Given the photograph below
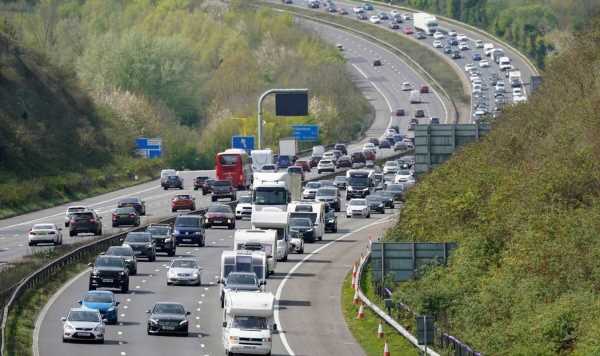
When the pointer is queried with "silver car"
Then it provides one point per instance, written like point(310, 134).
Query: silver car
point(329, 195)
point(310, 190)
point(83, 324)
point(184, 271)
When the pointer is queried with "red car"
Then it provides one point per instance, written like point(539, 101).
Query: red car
point(304, 164)
point(424, 89)
point(408, 30)
point(370, 155)
point(220, 215)
point(183, 202)
point(400, 112)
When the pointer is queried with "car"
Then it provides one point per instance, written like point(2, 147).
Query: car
point(376, 203)
point(438, 35)
point(85, 222)
point(456, 55)
point(396, 190)
point(330, 195)
point(341, 147)
point(406, 86)
point(83, 324)
point(220, 215)
point(463, 46)
point(109, 272)
point(45, 233)
point(71, 210)
point(330, 219)
point(390, 167)
point(357, 207)
point(302, 227)
point(168, 318)
point(199, 182)
point(448, 50)
point(402, 175)
point(394, 25)
point(419, 113)
point(358, 157)
point(189, 229)
point(400, 112)
point(413, 124)
point(367, 7)
point(400, 146)
point(469, 67)
point(385, 144)
point(374, 19)
point(478, 44)
point(435, 120)
point(172, 182)
point(310, 190)
point(329, 155)
point(162, 235)
point(362, 16)
point(420, 35)
point(185, 270)
point(484, 63)
point(424, 89)
point(207, 186)
point(344, 162)
point(304, 164)
point(358, 9)
point(142, 244)
point(452, 42)
point(373, 141)
point(461, 37)
point(239, 281)
point(408, 30)
point(383, 15)
point(395, 13)
point(104, 302)
point(183, 202)
point(125, 252)
point(243, 207)
point(343, 11)
point(476, 56)
point(452, 33)
point(340, 182)
point(387, 198)
point(339, 46)
point(377, 63)
point(223, 189)
point(125, 216)
point(332, 9)
point(325, 165)
point(437, 44)
point(136, 203)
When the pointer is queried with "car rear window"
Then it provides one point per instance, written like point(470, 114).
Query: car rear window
point(126, 210)
point(83, 216)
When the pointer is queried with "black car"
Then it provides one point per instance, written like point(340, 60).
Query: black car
point(125, 216)
point(341, 147)
point(162, 235)
point(456, 55)
point(374, 141)
point(128, 256)
point(420, 113)
point(222, 189)
point(304, 227)
point(448, 50)
point(384, 144)
point(199, 182)
point(376, 204)
point(344, 162)
point(136, 203)
point(358, 157)
point(85, 221)
point(239, 281)
point(142, 244)
point(330, 219)
point(377, 63)
point(168, 318)
point(397, 190)
point(189, 229)
point(387, 197)
point(109, 272)
point(173, 182)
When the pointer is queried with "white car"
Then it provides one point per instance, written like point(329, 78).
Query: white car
point(438, 35)
point(184, 271)
point(358, 207)
point(390, 167)
point(517, 92)
point(476, 89)
point(45, 233)
point(406, 17)
point(83, 324)
point(70, 211)
point(325, 165)
point(437, 44)
point(394, 13)
point(406, 86)
point(452, 33)
point(461, 37)
point(484, 63)
point(402, 176)
point(243, 207)
point(329, 156)
point(358, 10)
point(369, 147)
point(375, 19)
point(310, 190)
point(478, 44)
point(463, 46)
point(469, 67)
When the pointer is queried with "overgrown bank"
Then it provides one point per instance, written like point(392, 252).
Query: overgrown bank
point(524, 207)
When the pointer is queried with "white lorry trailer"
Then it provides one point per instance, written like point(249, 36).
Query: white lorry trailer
point(261, 158)
point(258, 240)
point(514, 77)
point(275, 190)
point(248, 323)
point(425, 22)
point(274, 220)
point(288, 147)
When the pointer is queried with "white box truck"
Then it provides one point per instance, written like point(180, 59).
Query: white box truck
point(288, 147)
point(258, 240)
point(244, 261)
point(275, 220)
point(261, 158)
point(275, 190)
point(425, 22)
point(248, 323)
point(415, 97)
point(514, 77)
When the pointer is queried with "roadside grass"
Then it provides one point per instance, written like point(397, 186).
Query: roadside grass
point(365, 330)
point(22, 317)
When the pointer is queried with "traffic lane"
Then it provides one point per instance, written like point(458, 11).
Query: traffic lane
point(309, 303)
point(147, 288)
point(13, 239)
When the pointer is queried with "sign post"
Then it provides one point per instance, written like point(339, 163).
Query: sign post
point(149, 147)
point(288, 102)
point(243, 142)
point(425, 330)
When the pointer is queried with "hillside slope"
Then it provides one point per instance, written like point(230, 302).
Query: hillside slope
point(524, 207)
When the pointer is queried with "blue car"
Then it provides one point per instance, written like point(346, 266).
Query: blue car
point(476, 56)
point(103, 301)
point(367, 7)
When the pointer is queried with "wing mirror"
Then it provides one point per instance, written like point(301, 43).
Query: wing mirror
point(90, 264)
point(117, 303)
point(79, 301)
point(224, 324)
point(148, 311)
point(63, 319)
point(274, 327)
point(187, 313)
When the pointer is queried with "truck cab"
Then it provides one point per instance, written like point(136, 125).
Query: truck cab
point(258, 240)
point(248, 323)
point(275, 190)
point(278, 221)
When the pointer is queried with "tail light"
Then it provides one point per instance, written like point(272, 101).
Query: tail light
point(131, 215)
point(92, 220)
point(114, 216)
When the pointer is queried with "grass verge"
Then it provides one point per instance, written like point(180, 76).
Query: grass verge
point(365, 330)
point(22, 317)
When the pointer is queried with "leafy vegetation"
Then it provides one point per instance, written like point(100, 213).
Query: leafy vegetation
point(82, 79)
point(524, 206)
point(537, 27)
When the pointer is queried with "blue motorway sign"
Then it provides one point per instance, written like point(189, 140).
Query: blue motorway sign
point(306, 132)
point(243, 142)
point(149, 147)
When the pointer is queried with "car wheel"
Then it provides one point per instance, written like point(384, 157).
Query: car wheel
point(166, 188)
point(337, 209)
point(31, 244)
point(101, 341)
point(301, 251)
point(65, 340)
point(238, 217)
point(202, 244)
point(115, 225)
point(213, 198)
point(152, 258)
point(169, 283)
point(91, 287)
point(347, 216)
point(134, 272)
point(195, 188)
point(173, 210)
point(148, 331)
point(232, 226)
point(125, 288)
point(66, 224)
point(171, 253)
point(72, 233)
point(368, 215)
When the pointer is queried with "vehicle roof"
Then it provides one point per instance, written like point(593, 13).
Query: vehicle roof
point(83, 309)
point(250, 303)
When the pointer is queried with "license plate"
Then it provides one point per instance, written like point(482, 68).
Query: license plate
point(218, 221)
point(107, 280)
point(137, 252)
point(187, 240)
point(84, 334)
point(168, 327)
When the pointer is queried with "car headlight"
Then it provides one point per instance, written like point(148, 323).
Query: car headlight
point(195, 274)
point(149, 246)
point(69, 327)
point(125, 245)
point(176, 232)
point(170, 273)
point(331, 220)
point(99, 328)
point(229, 221)
point(122, 273)
point(183, 322)
point(266, 339)
point(153, 321)
point(168, 239)
point(233, 339)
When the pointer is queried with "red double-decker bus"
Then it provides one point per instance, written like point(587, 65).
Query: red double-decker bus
point(234, 165)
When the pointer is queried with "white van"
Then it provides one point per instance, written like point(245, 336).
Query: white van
point(274, 220)
point(488, 48)
point(258, 240)
point(167, 173)
point(504, 63)
point(315, 211)
point(415, 97)
point(317, 151)
point(248, 323)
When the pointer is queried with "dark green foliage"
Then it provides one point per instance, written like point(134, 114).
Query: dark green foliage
point(524, 207)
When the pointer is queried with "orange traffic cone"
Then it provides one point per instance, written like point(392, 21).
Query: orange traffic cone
point(355, 300)
point(380, 330)
point(354, 270)
point(386, 349)
point(361, 312)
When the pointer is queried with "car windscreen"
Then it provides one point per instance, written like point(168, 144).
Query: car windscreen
point(109, 262)
point(327, 192)
point(86, 316)
point(43, 227)
point(129, 201)
point(183, 197)
point(168, 309)
point(311, 216)
point(229, 160)
point(138, 238)
point(249, 323)
point(241, 278)
point(119, 251)
point(128, 210)
point(358, 181)
point(158, 230)
point(300, 222)
point(340, 179)
point(222, 183)
point(187, 221)
point(270, 196)
point(75, 210)
point(403, 172)
point(245, 199)
point(358, 202)
point(83, 216)
point(374, 199)
point(98, 298)
point(184, 264)
point(395, 187)
point(219, 209)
